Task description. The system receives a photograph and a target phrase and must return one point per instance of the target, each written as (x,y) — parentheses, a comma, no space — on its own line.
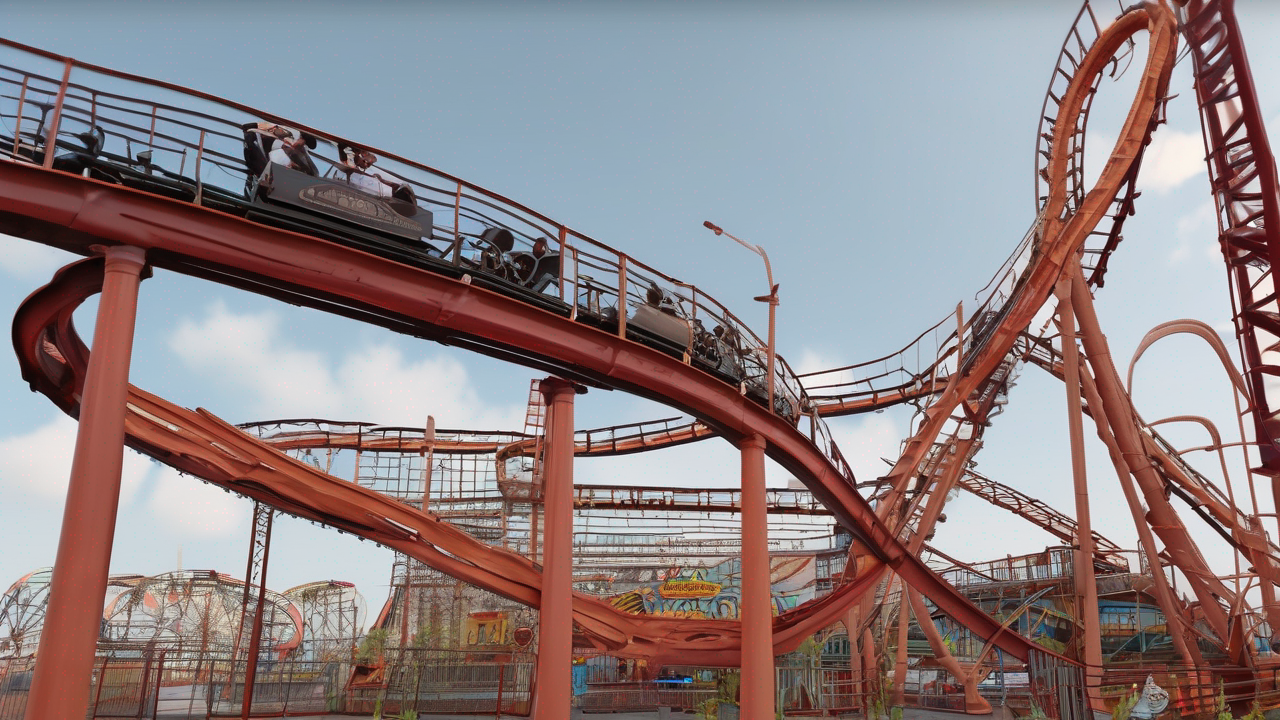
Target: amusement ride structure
(136,174)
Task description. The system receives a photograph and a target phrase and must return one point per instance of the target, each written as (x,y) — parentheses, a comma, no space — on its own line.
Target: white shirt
(368,181)
(277,154)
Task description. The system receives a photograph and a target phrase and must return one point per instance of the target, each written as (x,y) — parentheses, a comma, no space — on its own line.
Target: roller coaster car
(535,270)
(399,216)
(661,322)
(80,159)
(81,156)
(758,391)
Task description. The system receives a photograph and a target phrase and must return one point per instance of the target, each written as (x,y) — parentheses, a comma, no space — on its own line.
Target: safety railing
(800,502)
(432,681)
(1192,690)
(916,368)
(15,684)
(193,147)
(317,434)
(1051,564)
(921,368)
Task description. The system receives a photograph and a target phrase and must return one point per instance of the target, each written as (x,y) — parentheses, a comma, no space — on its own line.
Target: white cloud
(812,361)
(251,354)
(35,468)
(1097,148)
(37,464)
(864,440)
(29,260)
(1191,230)
(192,508)
(1173,158)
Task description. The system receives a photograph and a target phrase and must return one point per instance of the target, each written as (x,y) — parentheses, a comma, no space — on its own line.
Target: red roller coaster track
(959,384)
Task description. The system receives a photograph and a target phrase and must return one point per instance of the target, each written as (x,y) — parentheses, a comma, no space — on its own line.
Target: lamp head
(771,298)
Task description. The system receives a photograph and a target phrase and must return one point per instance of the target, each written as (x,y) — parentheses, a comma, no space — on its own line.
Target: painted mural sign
(715,591)
(681,588)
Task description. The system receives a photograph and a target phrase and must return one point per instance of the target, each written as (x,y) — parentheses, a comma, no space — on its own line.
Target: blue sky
(882,156)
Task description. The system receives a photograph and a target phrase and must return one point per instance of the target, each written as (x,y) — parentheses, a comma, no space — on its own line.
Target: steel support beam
(262,515)
(78,588)
(757,599)
(1086,583)
(1161,517)
(555,616)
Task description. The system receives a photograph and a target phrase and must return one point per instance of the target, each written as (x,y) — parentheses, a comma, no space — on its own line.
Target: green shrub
(1125,705)
(727,688)
(371,646)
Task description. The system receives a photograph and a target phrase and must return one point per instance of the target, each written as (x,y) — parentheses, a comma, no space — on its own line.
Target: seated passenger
(537,269)
(362,174)
(280,145)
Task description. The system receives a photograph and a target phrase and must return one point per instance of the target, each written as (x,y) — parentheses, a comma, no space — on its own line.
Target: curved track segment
(54,360)
(1242,172)
(74,213)
(1065,228)
(984,351)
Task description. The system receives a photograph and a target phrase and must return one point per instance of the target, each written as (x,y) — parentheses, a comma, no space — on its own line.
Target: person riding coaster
(281,172)
(360,173)
(267,143)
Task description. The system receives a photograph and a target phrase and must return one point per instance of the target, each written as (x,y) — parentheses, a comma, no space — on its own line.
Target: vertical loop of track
(411,300)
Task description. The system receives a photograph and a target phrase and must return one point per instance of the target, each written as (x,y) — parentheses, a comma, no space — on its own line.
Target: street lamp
(771,298)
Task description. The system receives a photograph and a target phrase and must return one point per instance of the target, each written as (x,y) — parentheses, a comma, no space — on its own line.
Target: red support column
(555,616)
(60,687)
(756,607)
(898,697)
(1085,581)
(255,631)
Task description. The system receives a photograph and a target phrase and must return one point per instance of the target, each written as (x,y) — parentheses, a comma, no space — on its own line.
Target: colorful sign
(689,589)
(713,592)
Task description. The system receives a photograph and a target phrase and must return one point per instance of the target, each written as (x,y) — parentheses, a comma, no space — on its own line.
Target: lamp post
(771,298)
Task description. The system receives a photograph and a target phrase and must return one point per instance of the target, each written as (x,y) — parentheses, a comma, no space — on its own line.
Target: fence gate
(127,687)
(1057,687)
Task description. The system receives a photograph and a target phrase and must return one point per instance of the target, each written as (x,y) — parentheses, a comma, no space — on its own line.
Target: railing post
(102,675)
(560,273)
(155,704)
(573,304)
(457,226)
(199,157)
(622,296)
(144,681)
(51,139)
(17,123)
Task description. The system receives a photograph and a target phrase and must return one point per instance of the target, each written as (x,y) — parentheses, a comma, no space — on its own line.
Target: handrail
(211,136)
